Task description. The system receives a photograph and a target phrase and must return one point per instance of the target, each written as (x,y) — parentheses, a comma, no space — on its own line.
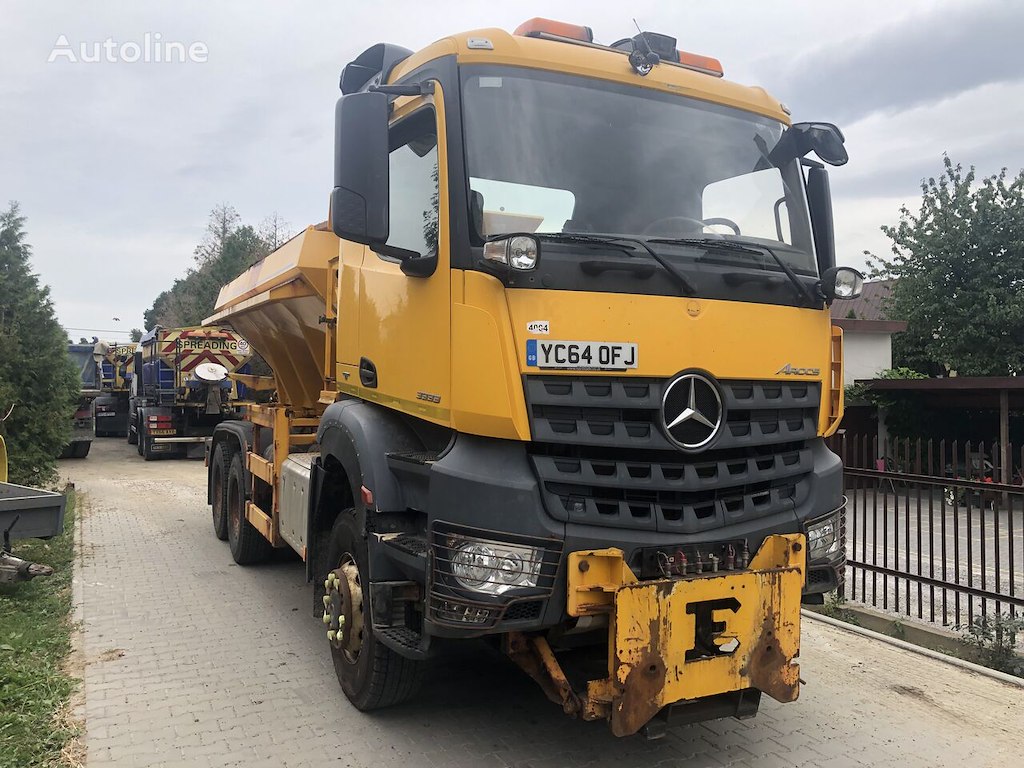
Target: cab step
(412,462)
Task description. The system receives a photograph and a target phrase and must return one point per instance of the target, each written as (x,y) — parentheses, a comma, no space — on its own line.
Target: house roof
(870,305)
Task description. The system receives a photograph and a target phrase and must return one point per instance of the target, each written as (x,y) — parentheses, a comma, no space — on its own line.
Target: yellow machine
(556,372)
(115,368)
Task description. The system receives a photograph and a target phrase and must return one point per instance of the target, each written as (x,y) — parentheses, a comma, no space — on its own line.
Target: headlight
(841,283)
(493,567)
(823,537)
(518,251)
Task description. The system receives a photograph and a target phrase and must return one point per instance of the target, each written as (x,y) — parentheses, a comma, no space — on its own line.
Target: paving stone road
(191,660)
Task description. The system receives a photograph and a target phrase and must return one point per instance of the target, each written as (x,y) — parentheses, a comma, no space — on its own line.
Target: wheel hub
(343,609)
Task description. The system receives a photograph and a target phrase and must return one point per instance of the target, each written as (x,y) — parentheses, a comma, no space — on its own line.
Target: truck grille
(626,412)
(602,458)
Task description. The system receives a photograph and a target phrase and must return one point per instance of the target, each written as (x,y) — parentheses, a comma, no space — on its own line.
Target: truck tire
(375,676)
(82,448)
(246,543)
(219,491)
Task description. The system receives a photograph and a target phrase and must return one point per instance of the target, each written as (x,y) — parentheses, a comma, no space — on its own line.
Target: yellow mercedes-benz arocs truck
(556,373)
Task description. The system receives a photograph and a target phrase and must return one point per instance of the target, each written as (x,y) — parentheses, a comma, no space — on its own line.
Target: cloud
(919,59)
(891,154)
(117,166)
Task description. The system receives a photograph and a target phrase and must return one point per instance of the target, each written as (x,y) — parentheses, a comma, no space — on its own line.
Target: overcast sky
(116,165)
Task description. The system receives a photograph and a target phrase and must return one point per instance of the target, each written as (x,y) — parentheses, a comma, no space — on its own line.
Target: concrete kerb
(920,650)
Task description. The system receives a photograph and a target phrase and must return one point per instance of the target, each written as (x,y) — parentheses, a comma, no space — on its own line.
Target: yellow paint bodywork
(400,323)
(652,626)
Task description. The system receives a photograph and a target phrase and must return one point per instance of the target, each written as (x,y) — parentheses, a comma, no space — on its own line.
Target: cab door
(404,324)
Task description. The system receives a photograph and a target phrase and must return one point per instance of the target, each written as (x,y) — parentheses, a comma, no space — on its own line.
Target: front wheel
(372,675)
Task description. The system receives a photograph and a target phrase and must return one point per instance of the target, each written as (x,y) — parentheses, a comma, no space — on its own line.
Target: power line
(96,330)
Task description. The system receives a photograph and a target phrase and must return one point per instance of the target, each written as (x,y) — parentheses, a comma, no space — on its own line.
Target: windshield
(555,153)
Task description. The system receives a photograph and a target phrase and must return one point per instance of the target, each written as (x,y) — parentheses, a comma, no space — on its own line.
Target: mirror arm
(394,252)
(404,89)
(412,263)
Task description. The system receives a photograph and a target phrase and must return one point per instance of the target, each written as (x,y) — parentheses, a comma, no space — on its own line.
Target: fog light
(823,537)
(519,252)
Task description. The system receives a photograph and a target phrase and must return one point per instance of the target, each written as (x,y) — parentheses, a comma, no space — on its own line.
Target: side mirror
(824,139)
(841,283)
(827,142)
(359,200)
(819,201)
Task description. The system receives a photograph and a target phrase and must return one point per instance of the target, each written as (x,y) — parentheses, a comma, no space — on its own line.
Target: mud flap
(690,638)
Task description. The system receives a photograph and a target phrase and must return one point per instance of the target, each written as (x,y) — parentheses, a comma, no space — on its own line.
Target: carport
(1002,393)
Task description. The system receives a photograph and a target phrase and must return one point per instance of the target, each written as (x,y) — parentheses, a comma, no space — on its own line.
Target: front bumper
(684,641)
(489,486)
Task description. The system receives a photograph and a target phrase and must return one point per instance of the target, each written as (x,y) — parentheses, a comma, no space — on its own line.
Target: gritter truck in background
(556,374)
(116,368)
(183,389)
(82,423)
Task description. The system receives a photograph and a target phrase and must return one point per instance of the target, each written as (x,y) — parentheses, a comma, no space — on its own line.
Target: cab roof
(579,57)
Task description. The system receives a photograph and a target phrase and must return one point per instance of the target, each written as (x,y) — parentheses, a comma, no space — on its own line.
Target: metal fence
(930,532)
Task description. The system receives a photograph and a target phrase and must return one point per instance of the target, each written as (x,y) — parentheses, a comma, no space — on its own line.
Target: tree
(37,377)
(959,270)
(136,335)
(274,231)
(222,222)
(227,250)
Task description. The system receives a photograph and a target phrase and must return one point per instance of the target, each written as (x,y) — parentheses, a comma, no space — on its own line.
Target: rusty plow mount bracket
(707,643)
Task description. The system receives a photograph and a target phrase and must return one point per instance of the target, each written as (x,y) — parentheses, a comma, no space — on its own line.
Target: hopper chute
(278,305)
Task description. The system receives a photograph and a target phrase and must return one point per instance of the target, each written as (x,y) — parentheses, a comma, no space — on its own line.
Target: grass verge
(35,639)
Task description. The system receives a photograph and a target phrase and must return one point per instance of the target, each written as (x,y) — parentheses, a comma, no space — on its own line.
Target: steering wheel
(673,226)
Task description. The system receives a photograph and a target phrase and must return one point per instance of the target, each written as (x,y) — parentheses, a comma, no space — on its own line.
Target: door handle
(367,373)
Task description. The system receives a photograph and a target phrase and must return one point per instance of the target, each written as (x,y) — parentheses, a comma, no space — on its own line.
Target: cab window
(413,184)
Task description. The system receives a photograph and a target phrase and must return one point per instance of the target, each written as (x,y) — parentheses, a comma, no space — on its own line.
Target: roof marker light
(537,27)
(704,64)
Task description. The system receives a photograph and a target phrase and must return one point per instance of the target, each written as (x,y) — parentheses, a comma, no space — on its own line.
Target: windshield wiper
(615,241)
(711,244)
(576,237)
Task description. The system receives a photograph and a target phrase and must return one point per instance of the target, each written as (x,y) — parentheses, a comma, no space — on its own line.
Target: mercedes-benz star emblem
(692,411)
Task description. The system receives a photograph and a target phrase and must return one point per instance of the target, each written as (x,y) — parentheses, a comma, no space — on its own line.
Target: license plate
(101,414)
(581,355)
(161,432)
